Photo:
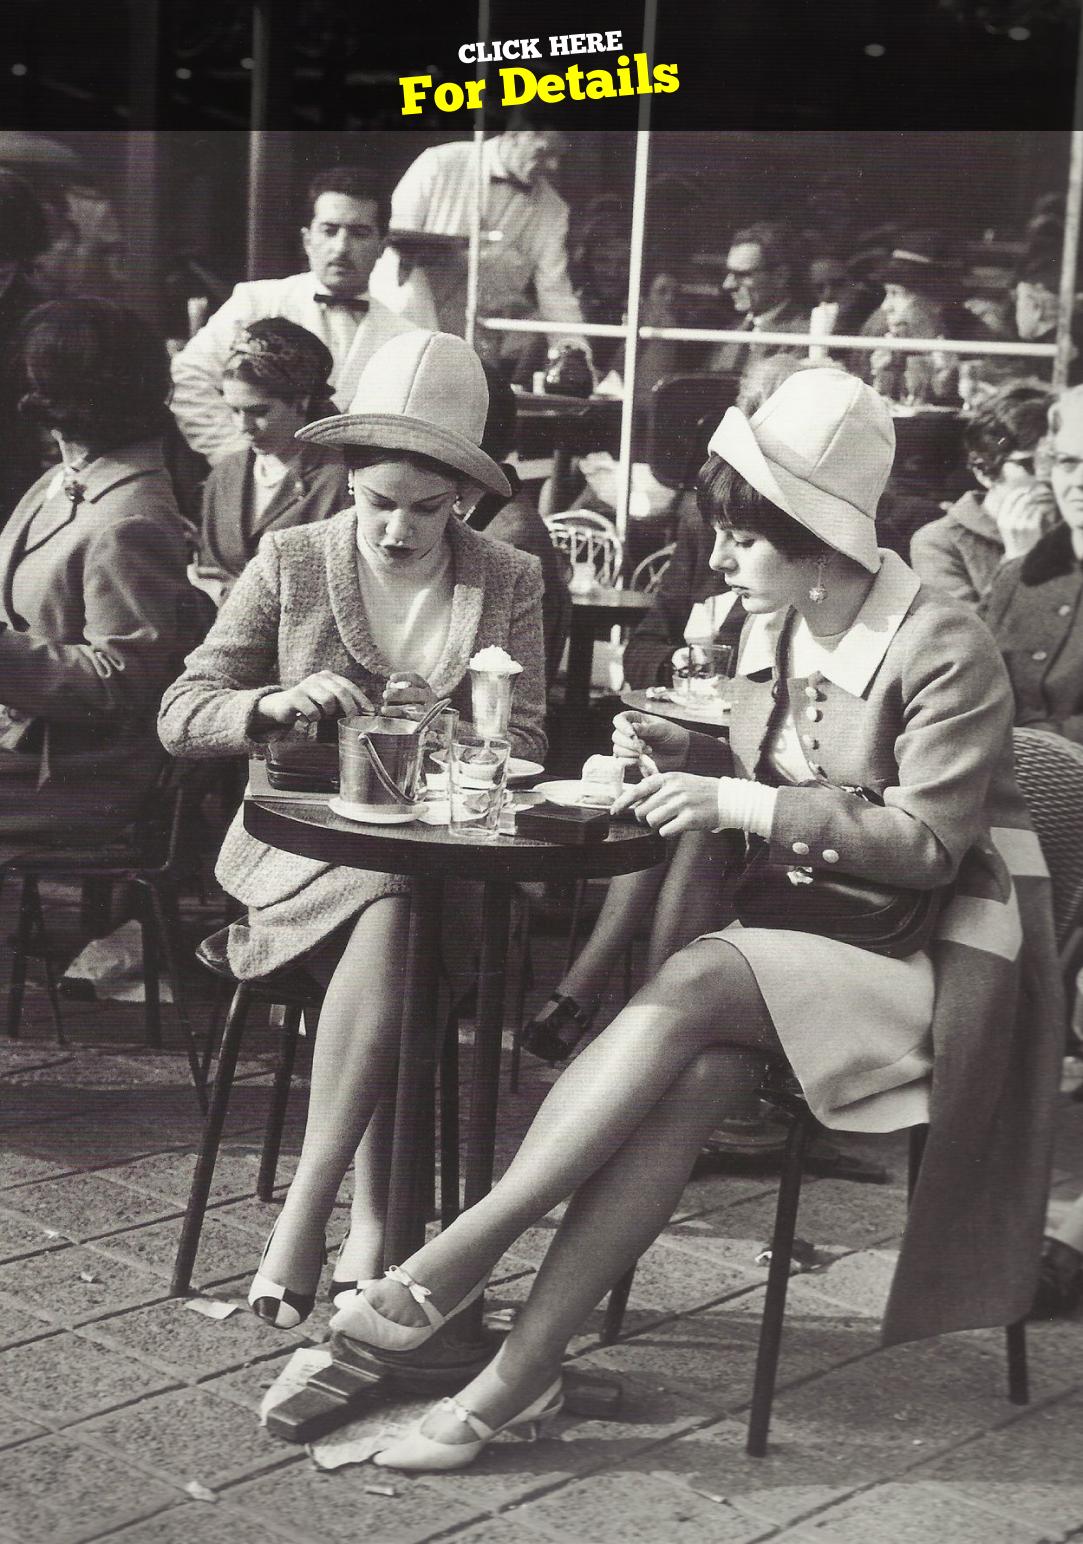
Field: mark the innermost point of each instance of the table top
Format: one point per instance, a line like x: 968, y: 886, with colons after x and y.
x: 691, y: 715
x: 310, y: 829
x: 621, y: 603
x: 536, y: 404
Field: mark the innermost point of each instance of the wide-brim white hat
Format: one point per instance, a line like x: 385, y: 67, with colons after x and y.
x: 423, y: 392
x: 821, y: 449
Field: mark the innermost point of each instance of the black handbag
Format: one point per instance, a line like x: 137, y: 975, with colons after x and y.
x: 302, y: 766
x: 886, y: 919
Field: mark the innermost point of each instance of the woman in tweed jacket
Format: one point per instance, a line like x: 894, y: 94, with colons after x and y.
x: 383, y: 604
x: 850, y: 674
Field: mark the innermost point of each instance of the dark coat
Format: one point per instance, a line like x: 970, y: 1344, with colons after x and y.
x: 1033, y: 610
x: 926, y: 722
x: 229, y: 536
x: 961, y: 552
x: 93, y: 603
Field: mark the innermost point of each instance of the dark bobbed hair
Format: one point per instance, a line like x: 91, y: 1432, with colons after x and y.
x: 1014, y: 418
x: 24, y: 225
x: 351, y: 182
x: 357, y: 457
x: 94, y: 371
x: 498, y: 436
x: 729, y: 502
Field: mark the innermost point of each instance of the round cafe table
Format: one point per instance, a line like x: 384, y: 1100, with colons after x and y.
x: 428, y: 854
x: 711, y: 719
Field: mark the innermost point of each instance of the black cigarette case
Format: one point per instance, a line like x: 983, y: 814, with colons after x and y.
x: 563, y: 823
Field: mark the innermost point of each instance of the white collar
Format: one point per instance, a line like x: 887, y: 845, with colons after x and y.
x: 852, y: 664
x: 316, y: 288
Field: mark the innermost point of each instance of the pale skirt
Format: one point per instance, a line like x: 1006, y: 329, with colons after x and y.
x: 856, y: 1026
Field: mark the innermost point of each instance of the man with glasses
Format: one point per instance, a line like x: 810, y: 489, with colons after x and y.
x: 762, y: 280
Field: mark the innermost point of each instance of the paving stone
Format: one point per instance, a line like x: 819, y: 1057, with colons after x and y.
x: 187, y: 1344
x: 792, y: 1481
x: 833, y: 1213
x: 707, y: 1357
x: 80, y: 1491
x: 19, y: 1237
x: 170, y: 1174
x: 335, y: 1509
x: 246, y: 1386
x: 30, y: 1103
x: 637, y: 1508
x: 65, y: 1378
x: 19, y: 1166
x: 223, y: 1251
x: 501, y: 1530
x: 90, y: 1068
x: 16, y: 1056
x: 861, y: 1280
x: 1030, y: 1469
x: 56, y: 1284
x: 198, y: 1522
x: 18, y: 1322
x: 82, y: 1144
x: 15, y: 1427
x: 912, y: 1514
x: 187, y: 1434
x: 84, y: 1205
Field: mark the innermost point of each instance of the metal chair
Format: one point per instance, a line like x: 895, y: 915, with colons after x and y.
x: 1049, y: 771
x: 151, y: 862
x: 584, y: 541
x: 293, y: 990
x: 647, y: 574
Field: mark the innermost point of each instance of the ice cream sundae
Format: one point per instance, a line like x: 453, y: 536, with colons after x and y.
x: 492, y: 681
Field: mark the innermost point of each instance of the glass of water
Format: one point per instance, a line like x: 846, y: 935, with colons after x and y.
x: 479, y: 775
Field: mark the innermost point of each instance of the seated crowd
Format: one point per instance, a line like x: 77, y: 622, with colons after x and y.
x: 363, y: 537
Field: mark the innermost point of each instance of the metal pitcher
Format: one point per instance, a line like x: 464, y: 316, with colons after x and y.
x: 380, y: 762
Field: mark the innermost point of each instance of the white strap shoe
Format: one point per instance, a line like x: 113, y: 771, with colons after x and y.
x: 358, y: 1320
x: 418, y: 1453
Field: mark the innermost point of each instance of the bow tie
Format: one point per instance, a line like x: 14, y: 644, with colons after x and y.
x: 513, y: 182
x: 344, y: 302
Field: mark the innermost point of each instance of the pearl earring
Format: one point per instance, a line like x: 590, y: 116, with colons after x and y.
x: 817, y: 593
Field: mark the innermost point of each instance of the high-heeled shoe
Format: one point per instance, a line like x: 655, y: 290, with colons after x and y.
x: 421, y: 1454
x: 278, y: 1305
x: 344, y: 1287
x: 553, y: 1034
x: 360, y: 1321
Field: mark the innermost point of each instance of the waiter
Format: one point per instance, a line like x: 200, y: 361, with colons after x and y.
x: 346, y: 228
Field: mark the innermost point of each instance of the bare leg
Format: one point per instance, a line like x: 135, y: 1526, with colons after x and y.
x: 704, y: 997
x: 353, y: 1066
x: 628, y: 902
x: 612, y: 1219
x: 362, y: 1254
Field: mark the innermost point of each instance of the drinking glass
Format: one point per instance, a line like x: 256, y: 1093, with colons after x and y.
x: 479, y: 775
x: 436, y: 743
x: 490, y: 700
x: 700, y: 673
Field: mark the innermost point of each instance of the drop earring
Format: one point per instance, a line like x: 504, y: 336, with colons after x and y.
x: 817, y: 593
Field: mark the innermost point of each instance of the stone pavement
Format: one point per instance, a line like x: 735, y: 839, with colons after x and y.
x: 123, y: 1416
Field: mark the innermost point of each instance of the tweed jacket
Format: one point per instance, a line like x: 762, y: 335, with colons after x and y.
x: 915, y: 704
x: 297, y: 609
x: 92, y: 599
x: 959, y: 553
x: 1034, y: 612
x: 313, y: 491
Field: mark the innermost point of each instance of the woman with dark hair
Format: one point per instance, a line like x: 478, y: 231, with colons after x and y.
x: 871, y: 738
x: 962, y: 551
x: 274, y: 382
x: 24, y: 235
x: 92, y: 581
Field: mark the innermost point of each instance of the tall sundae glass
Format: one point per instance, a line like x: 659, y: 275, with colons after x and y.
x: 492, y: 682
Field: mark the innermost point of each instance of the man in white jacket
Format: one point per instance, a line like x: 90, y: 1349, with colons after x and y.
x: 346, y: 228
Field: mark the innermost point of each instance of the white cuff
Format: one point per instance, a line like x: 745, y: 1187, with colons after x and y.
x: 744, y: 805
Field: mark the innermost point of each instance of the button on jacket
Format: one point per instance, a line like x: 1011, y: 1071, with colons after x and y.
x: 917, y: 706
x: 1033, y: 610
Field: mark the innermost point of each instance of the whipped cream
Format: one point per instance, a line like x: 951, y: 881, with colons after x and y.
x: 495, y: 660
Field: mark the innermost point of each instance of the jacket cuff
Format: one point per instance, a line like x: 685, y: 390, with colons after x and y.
x: 708, y: 757
x: 797, y: 835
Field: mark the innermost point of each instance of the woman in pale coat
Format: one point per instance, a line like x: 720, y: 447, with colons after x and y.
x: 384, y: 604
x: 94, y: 599
x: 850, y: 675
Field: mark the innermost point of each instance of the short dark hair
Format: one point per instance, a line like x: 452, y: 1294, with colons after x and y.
x: 498, y: 436
x: 24, y: 226
x: 729, y: 502
x: 1014, y: 418
x: 351, y: 182
x: 780, y: 244
x: 357, y: 457
x: 95, y: 371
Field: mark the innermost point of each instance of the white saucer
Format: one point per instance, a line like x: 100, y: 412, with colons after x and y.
x: 368, y: 815
x: 518, y: 769
x: 571, y: 791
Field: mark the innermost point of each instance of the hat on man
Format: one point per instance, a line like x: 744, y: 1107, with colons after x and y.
x: 820, y: 448
x: 425, y: 393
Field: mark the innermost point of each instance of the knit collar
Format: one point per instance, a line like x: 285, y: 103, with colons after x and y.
x: 468, y: 572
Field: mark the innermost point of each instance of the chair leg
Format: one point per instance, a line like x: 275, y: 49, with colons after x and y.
x: 212, y: 1137
x: 95, y: 904
x: 449, y: 1121
x: 51, y: 985
x: 280, y: 1093
x: 919, y: 1135
x: 167, y: 921
x: 218, y: 1005
x: 522, y: 984
x: 21, y: 948
x: 1018, y: 1382
x: 152, y: 1007
x: 573, y: 931
x: 778, y: 1281
x: 614, y: 1309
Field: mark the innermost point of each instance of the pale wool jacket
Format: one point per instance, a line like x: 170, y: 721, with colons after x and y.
x: 297, y: 609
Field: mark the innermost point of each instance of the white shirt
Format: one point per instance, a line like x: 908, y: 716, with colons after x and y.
x: 408, y: 607
x: 437, y: 193
x: 197, y: 403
